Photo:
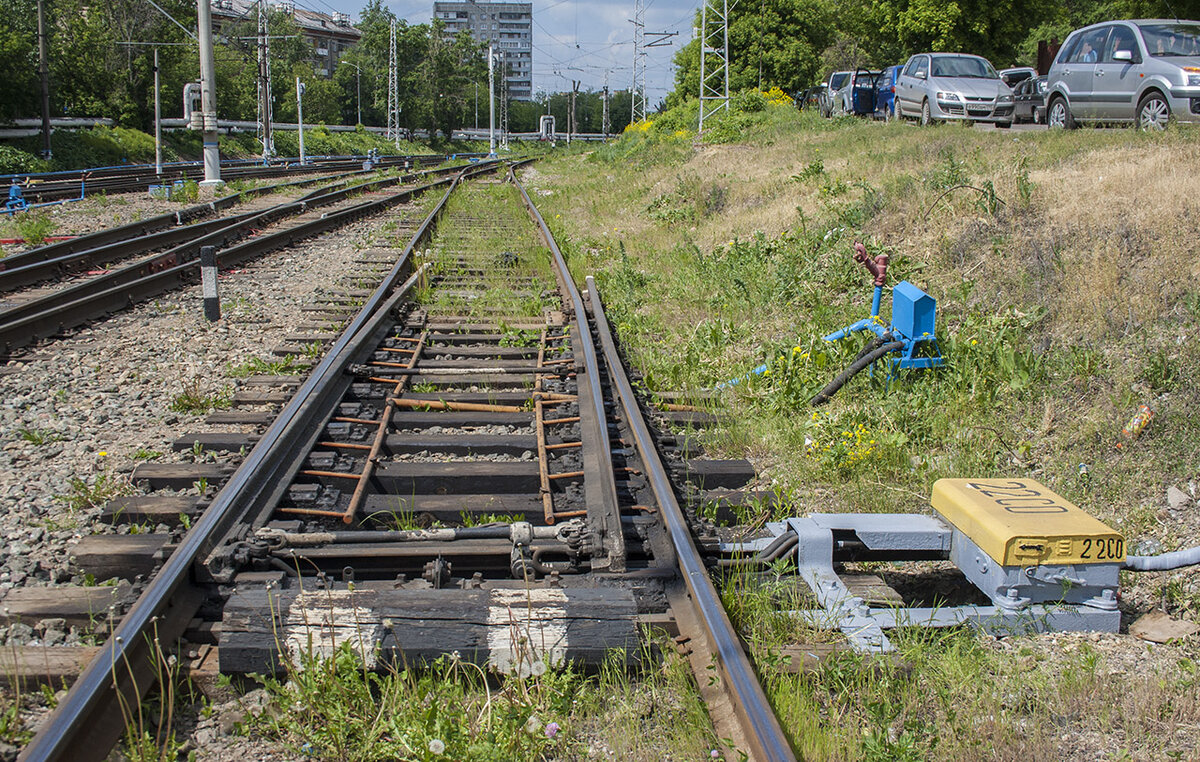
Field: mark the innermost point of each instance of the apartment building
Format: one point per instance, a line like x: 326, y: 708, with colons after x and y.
x: 329, y: 35
x: 508, y: 27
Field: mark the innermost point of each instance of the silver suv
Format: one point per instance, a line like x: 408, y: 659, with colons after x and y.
x: 1145, y: 71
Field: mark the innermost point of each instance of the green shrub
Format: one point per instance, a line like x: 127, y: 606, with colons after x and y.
x: 13, y: 160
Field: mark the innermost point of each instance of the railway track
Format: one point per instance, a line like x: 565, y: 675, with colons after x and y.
x: 58, y: 186
x: 467, y: 468
x: 159, y: 260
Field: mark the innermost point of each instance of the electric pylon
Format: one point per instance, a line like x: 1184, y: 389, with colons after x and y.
x: 714, y: 58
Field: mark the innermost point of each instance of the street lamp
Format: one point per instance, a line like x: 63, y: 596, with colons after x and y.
x: 357, y: 89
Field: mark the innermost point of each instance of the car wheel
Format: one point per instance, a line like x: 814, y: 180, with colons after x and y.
x: 893, y: 113
x: 1153, y: 112
x: 1059, y: 116
x: 926, y: 114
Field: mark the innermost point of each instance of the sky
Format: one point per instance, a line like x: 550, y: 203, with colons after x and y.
x: 573, y: 39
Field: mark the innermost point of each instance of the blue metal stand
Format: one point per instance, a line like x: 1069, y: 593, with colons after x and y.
x: 914, y: 315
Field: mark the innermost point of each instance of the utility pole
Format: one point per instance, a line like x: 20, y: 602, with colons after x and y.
x: 640, y: 45
x: 157, y: 121
x: 503, y: 101
x: 714, y: 58
x: 491, y: 101
x: 265, y: 108
x: 605, y: 125
x: 572, y: 125
x: 208, y: 96
x: 476, y: 105
x: 300, y: 116
x: 44, y: 71
x: 393, y: 107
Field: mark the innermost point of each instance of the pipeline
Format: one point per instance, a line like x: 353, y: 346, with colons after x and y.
x: 1165, y: 561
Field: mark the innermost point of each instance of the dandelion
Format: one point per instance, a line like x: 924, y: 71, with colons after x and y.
x: 437, y: 747
x: 551, y: 730
x: 103, y: 453
x: 974, y: 342
x: 533, y: 725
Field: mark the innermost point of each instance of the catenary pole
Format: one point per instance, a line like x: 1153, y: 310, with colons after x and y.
x: 44, y: 71
x: 157, y: 120
x: 208, y: 96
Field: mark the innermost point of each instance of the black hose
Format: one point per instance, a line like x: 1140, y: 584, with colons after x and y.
x: 861, y: 362
x: 875, y: 343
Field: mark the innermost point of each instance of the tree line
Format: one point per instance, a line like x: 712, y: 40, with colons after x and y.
x: 96, y: 72
x: 793, y: 44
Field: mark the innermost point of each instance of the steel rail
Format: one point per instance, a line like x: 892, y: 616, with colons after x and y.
x: 153, y: 224
x: 150, y: 276
x: 601, y: 491
x: 760, y: 725
x: 88, y: 721
x: 40, y: 267
x: 118, y: 180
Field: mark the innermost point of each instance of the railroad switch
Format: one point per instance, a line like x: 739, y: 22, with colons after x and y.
x: 1044, y: 564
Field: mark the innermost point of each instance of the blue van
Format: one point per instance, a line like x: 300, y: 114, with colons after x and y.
x: 885, y: 93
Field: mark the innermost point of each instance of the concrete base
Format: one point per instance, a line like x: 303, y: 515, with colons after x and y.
x: 210, y: 188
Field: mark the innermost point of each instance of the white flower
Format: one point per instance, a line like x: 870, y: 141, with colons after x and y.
x: 437, y: 747
x: 533, y: 725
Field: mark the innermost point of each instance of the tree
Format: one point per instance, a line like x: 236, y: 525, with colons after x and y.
x: 771, y: 43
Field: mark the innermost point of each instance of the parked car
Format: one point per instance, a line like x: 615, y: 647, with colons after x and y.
x: 885, y: 93
x: 836, y: 81
x: 1029, y: 100
x: 1144, y: 72
x: 809, y: 98
x: 936, y: 87
x: 857, y: 96
x: 1016, y: 75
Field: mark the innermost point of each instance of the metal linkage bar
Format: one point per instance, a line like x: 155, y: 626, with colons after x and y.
x: 88, y: 721
x: 761, y: 728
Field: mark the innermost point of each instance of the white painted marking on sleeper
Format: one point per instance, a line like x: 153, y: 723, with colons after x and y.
x: 320, y: 621
x: 527, y: 630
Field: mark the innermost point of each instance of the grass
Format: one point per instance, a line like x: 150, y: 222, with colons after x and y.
x: 83, y: 494
x: 1060, y: 310
x: 256, y: 366
x: 195, y: 401
x: 475, y: 225
x: 38, y: 437
x: 452, y: 709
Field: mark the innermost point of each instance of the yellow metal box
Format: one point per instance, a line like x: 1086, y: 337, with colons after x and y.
x: 1021, y: 522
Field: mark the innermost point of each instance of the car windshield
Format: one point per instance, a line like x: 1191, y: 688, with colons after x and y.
x: 963, y: 66
x: 838, y: 79
x: 1165, y: 40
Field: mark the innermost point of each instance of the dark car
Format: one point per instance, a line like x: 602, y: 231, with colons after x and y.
x: 858, y: 94
x: 1016, y: 75
x: 885, y: 93
x: 1029, y: 100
